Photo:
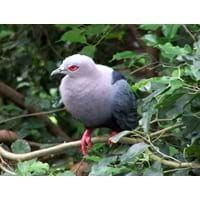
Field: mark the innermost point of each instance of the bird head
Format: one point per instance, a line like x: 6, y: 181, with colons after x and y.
x: 75, y: 66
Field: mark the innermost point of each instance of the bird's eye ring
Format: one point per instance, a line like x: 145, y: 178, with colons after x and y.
x: 73, y: 68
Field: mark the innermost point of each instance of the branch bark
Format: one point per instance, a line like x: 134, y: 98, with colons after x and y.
x: 172, y: 163
x: 8, y: 136
x: 19, y: 100
x: 150, y: 50
x: 142, y: 47
x: 58, y: 148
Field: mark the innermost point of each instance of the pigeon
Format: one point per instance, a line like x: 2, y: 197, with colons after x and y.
x: 97, y: 96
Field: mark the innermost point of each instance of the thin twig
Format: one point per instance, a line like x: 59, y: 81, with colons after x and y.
x: 176, y: 169
x: 146, y: 66
x: 172, y: 163
x: 160, y: 120
x: 189, y: 32
x: 157, y: 133
x: 31, y: 115
x: 104, y: 35
x: 50, y: 44
x: 148, y: 140
x: 156, y: 149
x: 19, y: 99
x: 3, y: 162
x: 7, y: 170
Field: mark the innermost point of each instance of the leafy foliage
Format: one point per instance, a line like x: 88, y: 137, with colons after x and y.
x: 20, y: 146
x: 32, y: 167
x: 162, y: 65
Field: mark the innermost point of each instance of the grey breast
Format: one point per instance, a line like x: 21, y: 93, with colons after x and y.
x: 89, y: 102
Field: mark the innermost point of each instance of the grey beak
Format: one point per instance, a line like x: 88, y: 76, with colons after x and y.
x: 58, y: 71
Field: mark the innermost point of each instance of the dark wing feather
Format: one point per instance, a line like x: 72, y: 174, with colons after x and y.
x: 124, y: 108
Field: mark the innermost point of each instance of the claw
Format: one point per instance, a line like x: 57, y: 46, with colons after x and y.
x: 86, y: 141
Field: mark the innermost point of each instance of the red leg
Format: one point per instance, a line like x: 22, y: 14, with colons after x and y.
x: 86, y: 141
x: 112, y: 134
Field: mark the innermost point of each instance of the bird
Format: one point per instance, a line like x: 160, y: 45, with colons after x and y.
x: 96, y: 95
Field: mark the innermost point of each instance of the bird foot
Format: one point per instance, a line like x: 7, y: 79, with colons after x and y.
x: 86, y: 141
x: 112, y: 134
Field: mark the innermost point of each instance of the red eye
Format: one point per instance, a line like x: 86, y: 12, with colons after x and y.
x: 73, y: 68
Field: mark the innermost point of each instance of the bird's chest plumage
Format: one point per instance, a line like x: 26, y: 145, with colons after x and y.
x: 87, y: 101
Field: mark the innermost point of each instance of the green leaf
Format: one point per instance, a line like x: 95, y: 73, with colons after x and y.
x: 33, y: 123
x: 169, y: 51
x: 147, y: 115
x: 174, y: 85
x: 172, y: 151
x: 154, y: 170
x: 116, y: 35
x: 107, y: 171
x: 193, y: 151
x: 32, y: 100
x: 23, y: 132
x: 95, y: 29
x: 170, y: 30
x: 149, y: 27
x: 170, y: 96
x: 74, y: 35
x: 151, y: 39
x: 140, y: 85
x: 181, y: 172
x: 45, y: 104
x: 197, y: 47
x: 98, y: 147
x: 156, y: 83
x: 92, y: 158
x: 53, y: 119
x: 174, y: 105
x: 66, y: 173
x: 32, y: 167
x: 104, y: 167
x: 133, y: 152
x: 53, y: 92
x: 88, y: 50
x: 191, y: 122
x: 123, y: 55
x: 117, y: 137
x: 6, y: 33
x: 196, y: 72
x: 20, y: 146
x: 23, y: 84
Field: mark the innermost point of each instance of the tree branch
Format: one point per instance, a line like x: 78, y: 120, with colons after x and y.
x: 8, y: 136
x: 58, y: 148
x: 172, y: 163
x: 150, y: 50
x: 162, y: 131
x: 19, y: 99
